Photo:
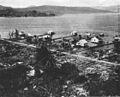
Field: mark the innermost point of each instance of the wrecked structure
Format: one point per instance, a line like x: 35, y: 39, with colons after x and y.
x: 42, y: 71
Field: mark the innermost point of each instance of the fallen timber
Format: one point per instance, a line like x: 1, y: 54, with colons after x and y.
x: 59, y: 38
x: 74, y: 78
x: 27, y: 45
x: 19, y: 43
x: 66, y: 53
x: 88, y: 58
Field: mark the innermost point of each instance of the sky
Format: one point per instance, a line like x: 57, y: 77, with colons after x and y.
x: 26, y: 3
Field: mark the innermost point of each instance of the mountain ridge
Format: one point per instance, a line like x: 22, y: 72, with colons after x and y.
x: 114, y: 8
x: 64, y: 9
x: 47, y: 10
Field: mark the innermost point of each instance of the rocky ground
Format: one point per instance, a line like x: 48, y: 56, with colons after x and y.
x: 56, y: 74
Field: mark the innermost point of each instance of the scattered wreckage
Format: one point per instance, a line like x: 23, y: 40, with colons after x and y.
x: 43, y: 70
x: 87, y: 44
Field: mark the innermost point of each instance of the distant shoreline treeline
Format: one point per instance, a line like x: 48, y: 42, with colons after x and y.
x: 9, y: 12
x: 47, y: 11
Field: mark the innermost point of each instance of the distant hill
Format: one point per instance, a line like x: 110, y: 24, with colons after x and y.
x: 113, y: 8
x: 110, y: 8
x: 3, y: 7
x: 47, y: 11
x: 64, y: 10
x: 13, y: 12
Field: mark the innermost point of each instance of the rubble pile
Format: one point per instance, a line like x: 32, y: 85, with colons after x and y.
x: 27, y: 72
x: 94, y: 78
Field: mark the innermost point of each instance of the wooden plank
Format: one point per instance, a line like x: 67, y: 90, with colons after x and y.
x: 88, y: 58
x: 73, y: 55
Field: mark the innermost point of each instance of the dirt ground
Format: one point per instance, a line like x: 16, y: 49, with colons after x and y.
x: 56, y: 74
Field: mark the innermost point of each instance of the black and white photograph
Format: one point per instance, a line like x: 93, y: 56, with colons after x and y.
x: 59, y: 48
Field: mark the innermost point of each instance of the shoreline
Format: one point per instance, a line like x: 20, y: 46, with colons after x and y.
x: 57, y: 15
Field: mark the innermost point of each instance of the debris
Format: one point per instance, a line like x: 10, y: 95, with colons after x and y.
x: 39, y: 72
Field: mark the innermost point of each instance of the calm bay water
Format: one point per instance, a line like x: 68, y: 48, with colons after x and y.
x: 61, y: 24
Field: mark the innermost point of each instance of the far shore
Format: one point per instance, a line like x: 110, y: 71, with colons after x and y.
x: 112, y: 13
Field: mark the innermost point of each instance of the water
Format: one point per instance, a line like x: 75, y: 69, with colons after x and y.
x: 63, y: 25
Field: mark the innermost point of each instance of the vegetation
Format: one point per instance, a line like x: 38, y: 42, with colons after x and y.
x: 9, y: 12
x: 46, y: 11
x: 65, y: 10
x: 54, y: 76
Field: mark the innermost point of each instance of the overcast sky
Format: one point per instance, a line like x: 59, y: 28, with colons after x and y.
x: 26, y: 3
